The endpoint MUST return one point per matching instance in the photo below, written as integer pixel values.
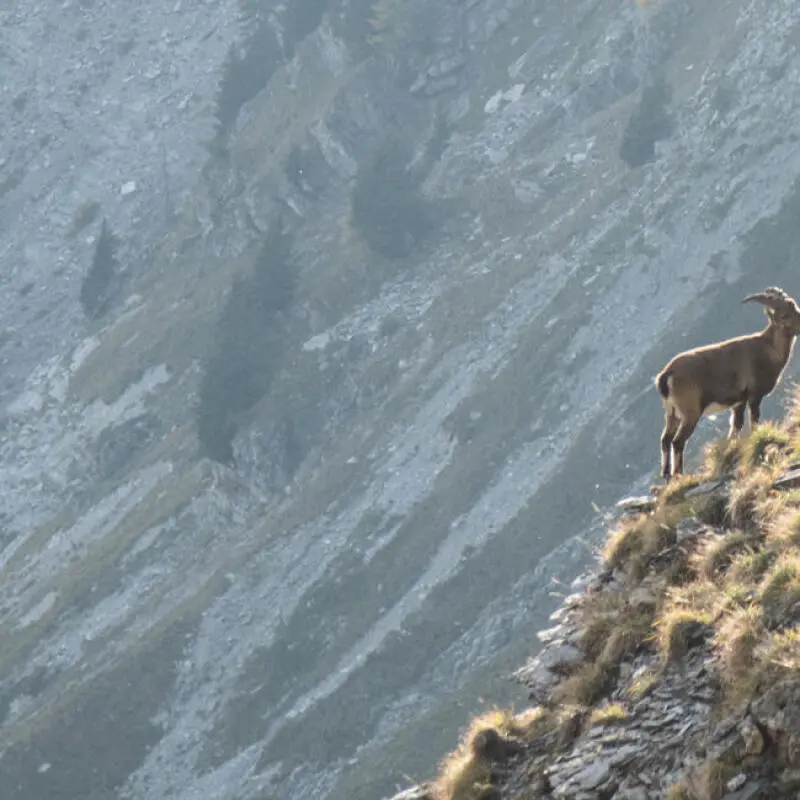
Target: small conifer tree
(96, 287)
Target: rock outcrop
(673, 669)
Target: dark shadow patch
(649, 123)
(248, 345)
(97, 286)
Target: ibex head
(781, 309)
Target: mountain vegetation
(696, 596)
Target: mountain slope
(311, 619)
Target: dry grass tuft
(608, 714)
(748, 568)
(722, 457)
(767, 444)
(708, 780)
(634, 542)
(533, 723)
(715, 553)
(586, 685)
(779, 592)
(626, 540)
(599, 619)
(630, 632)
(463, 777)
(675, 491)
(713, 509)
(781, 653)
(642, 681)
(678, 791)
(465, 774)
(678, 629)
(792, 415)
(612, 628)
(783, 532)
(677, 500)
(748, 503)
(735, 642)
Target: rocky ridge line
(658, 728)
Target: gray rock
(414, 793)
(635, 505)
(778, 710)
(592, 775)
(444, 66)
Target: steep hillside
(316, 320)
(674, 671)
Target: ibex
(735, 374)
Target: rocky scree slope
(673, 670)
(173, 626)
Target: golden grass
(465, 774)
(734, 587)
(586, 685)
(735, 642)
(749, 501)
(675, 502)
(792, 415)
(599, 619)
(783, 532)
(532, 723)
(782, 652)
(715, 553)
(678, 792)
(748, 567)
(612, 630)
(608, 714)
(722, 457)
(675, 630)
(642, 682)
(767, 444)
(675, 491)
(779, 592)
(633, 543)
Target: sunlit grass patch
(783, 532)
(678, 791)
(715, 553)
(767, 444)
(721, 457)
(678, 629)
(636, 540)
(586, 685)
(779, 592)
(748, 504)
(675, 490)
(608, 714)
(735, 642)
(792, 415)
(781, 654)
(748, 567)
(642, 682)
(466, 774)
(532, 723)
(612, 628)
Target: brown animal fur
(735, 374)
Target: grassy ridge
(717, 559)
